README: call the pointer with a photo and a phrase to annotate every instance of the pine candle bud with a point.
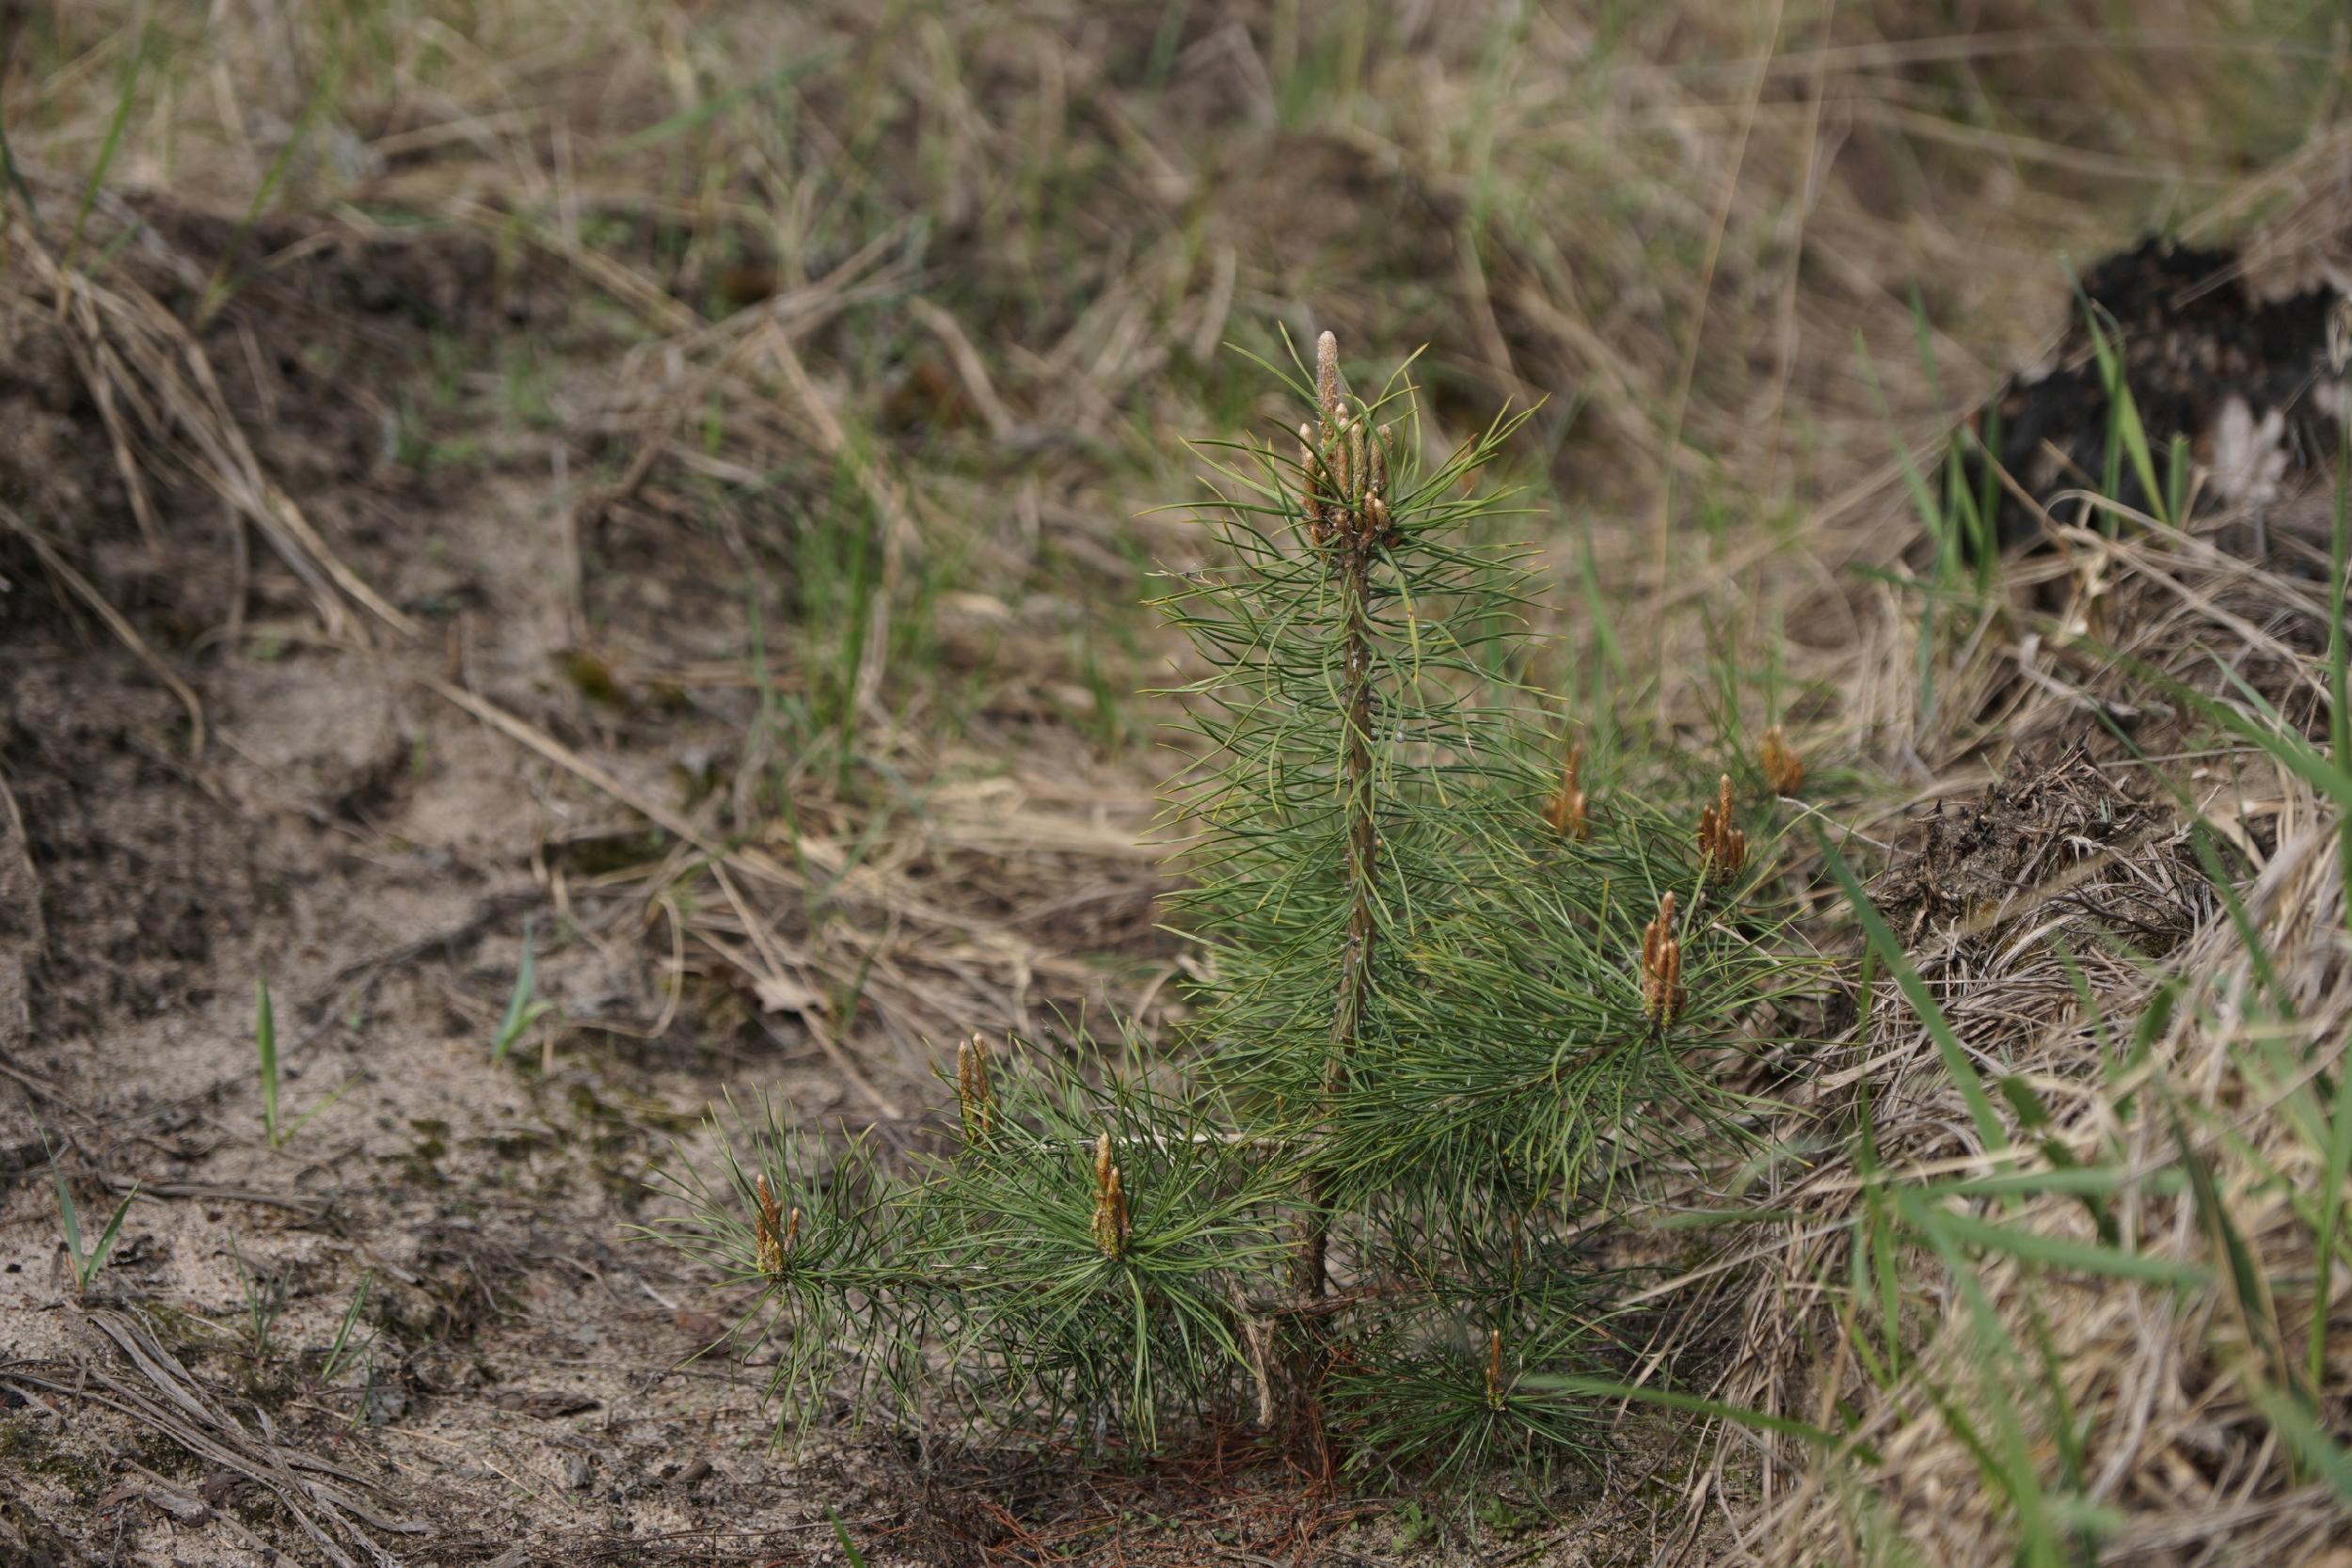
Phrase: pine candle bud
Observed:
(771, 1240)
(1723, 847)
(1661, 966)
(1111, 1226)
(975, 1095)
(1494, 1369)
(1330, 391)
(1312, 501)
(1343, 464)
(1378, 525)
(1783, 769)
(1566, 810)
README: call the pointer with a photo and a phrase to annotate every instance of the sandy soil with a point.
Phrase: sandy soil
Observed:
(521, 1382)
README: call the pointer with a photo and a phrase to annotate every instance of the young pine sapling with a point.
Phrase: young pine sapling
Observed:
(1453, 993)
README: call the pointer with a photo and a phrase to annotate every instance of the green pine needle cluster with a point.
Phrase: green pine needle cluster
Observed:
(1461, 992)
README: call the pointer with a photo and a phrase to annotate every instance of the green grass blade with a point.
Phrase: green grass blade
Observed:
(522, 1007)
(108, 148)
(2124, 412)
(72, 1220)
(841, 1533)
(304, 1119)
(265, 1047)
(2337, 1172)
(2012, 1471)
(1914, 990)
(215, 287)
(2340, 656)
(2319, 1451)
(106, 1237)
(2055, 1252)
(342, 1333)
(2248, 935)
(15, 178)
(2249, 1288)
(2282, 745)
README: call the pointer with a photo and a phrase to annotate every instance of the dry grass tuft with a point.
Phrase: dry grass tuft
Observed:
(2170, 1039)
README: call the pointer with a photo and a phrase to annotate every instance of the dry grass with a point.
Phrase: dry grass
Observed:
(2069, 934)
(865, 342)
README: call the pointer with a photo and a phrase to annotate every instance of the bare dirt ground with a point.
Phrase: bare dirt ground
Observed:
(528, 1389)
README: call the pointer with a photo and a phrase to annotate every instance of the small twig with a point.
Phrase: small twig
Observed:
(118, 1182)
(527, 733)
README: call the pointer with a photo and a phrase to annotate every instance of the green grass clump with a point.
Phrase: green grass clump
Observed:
(1453, 994)
(525, 1007)
(85, 1261)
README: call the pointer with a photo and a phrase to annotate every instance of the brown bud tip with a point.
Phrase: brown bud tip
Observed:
(1783, 770)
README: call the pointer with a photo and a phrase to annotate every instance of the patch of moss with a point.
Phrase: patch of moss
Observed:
(266, 1384)
(519, 1144)
(422, 1163)
(29, 1447)
(166, 1458)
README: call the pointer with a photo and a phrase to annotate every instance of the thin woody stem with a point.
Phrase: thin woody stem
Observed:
(1355, 550)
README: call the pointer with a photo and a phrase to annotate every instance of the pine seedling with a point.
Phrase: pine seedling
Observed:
(1440, 1028)
(1419, 927)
